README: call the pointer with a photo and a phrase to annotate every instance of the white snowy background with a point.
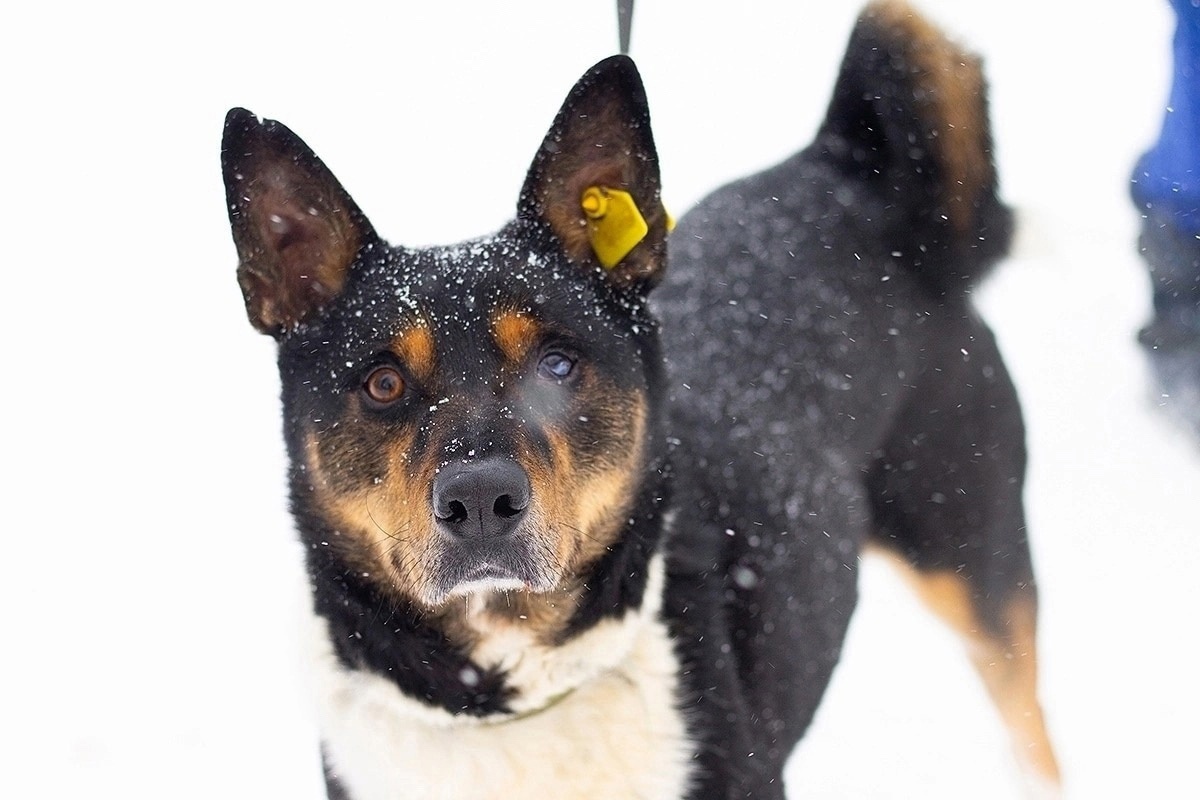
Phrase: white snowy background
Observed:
(148, 579)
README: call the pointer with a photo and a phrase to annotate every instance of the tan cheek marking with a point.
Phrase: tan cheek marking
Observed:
(516, 334)
(553, 487)
(386, 530)
(602, 509)
(607, 496)
(587, 505)
(415, 347)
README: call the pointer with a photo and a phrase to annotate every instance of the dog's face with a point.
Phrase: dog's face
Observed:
(471, 418)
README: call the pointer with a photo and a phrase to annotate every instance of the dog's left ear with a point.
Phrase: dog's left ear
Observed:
(595, 180)
(297, 231)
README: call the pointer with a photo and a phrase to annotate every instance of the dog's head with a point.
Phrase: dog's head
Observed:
(470, 418)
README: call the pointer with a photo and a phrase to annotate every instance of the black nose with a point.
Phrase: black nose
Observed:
(481, 498)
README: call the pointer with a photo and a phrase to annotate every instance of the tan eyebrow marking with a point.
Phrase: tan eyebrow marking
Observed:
(516, 333)
(415, 346)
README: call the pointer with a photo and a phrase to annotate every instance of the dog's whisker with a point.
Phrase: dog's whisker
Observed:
(393, 535)
(583, 533)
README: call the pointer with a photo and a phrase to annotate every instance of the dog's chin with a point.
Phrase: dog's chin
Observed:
(468, 571)
(487, 585)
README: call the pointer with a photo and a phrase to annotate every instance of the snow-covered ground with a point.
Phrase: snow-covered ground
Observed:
(149, 576)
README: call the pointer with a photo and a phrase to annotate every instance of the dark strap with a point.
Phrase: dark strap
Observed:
(624, 23)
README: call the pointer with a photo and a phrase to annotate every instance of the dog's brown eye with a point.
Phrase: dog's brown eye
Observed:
(384, 386)
(555, 366)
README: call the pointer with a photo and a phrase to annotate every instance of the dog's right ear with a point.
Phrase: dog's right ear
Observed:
(297, 231)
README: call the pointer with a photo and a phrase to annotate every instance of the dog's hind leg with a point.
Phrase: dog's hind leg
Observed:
(946, 494)
(1003, 650)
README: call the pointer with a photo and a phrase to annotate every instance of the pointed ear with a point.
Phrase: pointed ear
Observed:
(297, 231)
(601, 141)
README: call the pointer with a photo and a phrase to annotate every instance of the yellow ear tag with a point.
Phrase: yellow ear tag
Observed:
(614, 223)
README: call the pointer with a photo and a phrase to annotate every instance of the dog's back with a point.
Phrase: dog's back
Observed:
(831, 386)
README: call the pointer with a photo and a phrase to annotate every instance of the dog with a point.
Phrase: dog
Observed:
(582, 520)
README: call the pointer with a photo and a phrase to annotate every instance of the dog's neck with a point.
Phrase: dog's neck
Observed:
(608, 696)
(540, 673)
(534, 674)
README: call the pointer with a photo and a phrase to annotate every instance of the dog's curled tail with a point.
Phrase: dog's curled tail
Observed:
(909, 115)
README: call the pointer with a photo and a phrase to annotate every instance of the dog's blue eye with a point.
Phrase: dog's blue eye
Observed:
(555, 366)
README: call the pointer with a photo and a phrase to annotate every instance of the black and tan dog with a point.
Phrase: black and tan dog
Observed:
(569, 538)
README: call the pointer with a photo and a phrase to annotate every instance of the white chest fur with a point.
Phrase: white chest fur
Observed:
(597, 718)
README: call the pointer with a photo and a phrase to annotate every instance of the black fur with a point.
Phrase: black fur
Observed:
(830, 384)
(388, 636)
(330, 339)
(827, 383)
